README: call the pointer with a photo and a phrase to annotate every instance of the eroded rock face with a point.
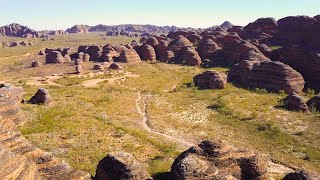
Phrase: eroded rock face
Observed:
(54, 57)
(262, 25)
(190, 57)
(78, 29)
(129, 56)
(210, 80)
(120, 165)
(177, 45)
(167, 57)
(217, 160)
(95, 53)
(269, 75)
(17, 30)
(305, 61)
(41, 97)
(295, 102)
(301, 30)
(148, 53)
(18, 158)
(236, 50)
(314, 103)
(207, 48)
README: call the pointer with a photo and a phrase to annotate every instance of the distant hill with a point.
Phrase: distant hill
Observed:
(17, 30)
(226, 25)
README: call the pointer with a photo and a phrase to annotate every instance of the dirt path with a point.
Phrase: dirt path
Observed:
(183, 144)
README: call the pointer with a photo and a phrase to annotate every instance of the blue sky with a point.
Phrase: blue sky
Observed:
(61, 14)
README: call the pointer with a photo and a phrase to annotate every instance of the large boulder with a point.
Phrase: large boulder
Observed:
(68, 51)
(167, 57)
(148, 53)
(300, 175)
(236, 50)
(95, 53)
(217, 160)
(207, 48)
(301, 30)
(269, 75)
(128, 56)
(210, 80)
(152, 41)
(54, 57)
(120, 165)
(177, 45)
(41, 97)
(314, 103)
(262, 25)
(303, 60)
(295, 102)
(79, 69)
(115, 66)
(190, 57)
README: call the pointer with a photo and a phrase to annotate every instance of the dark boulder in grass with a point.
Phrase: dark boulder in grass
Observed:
(41, 97)
(210, 80)
(120, 165)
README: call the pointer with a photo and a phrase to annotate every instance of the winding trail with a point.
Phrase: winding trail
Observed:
(182, 144)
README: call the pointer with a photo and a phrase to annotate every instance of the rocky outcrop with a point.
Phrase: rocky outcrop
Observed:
(148, 53)
(98, 67)
(190, 57)
(41, 97)
(262, 25)
(269, 75)
(217, 160)
(95, 52)
(299, 30)
(305, 61)
(178, 44)
(210, 80)
(167, 57)
(17, 30)
(236, 50)
(226, 25)
(207, 48)
(18, 158)
(120, 165)
(300, 175)
(314, 103)
(78, 29)
(54, 57)
(295, 102)
(128, 56)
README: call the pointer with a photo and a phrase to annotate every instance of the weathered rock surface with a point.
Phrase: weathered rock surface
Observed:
(167, 57)
(207, 48)
(129, 56)
(95, 52)
(305, 61)
(190, 57)
(262, 25)
(217, 160)
(17, 30)
(210, 80)
(148, 53)
(54, 57)
(78, 29)
(41, 97)
(120, 165)
(269, 75)
(295, 102)
(18, 158)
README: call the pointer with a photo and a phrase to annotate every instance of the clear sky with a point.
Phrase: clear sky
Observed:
(61, 14)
